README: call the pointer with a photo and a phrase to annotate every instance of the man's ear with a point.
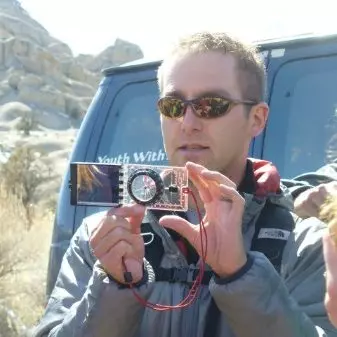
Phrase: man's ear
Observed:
(258, 118)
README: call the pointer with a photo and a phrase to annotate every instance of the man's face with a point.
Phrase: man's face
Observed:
(220, 143)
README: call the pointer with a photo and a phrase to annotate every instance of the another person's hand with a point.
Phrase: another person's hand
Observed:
(224, 208)
(119, 236)
(330, 256)
(328, 214)
(308, 203)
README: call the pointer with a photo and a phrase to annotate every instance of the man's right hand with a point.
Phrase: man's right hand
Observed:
(118, 236)
(309, 203)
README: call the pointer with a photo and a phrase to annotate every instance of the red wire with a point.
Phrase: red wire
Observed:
(192, 294)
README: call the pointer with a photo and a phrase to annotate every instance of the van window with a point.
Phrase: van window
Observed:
(301, 135)
(132, 132)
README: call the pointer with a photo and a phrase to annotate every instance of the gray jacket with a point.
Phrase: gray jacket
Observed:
(301, 183)
(260, 303)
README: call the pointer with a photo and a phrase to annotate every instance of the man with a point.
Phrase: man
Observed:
(212, 88)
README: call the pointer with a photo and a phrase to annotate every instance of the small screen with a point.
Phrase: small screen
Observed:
(98, 184)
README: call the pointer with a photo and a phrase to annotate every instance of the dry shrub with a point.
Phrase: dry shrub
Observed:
(23, 259)
(22, 174)
(26, 124)
(12, 228)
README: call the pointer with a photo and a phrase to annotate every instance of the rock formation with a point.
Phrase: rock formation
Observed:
(44, 87)
(41, 73)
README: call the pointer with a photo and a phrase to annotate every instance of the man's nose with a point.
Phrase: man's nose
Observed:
(190, 122)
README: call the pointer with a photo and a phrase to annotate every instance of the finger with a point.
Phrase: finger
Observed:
(106, 225)
(312, 208)
(123, 211)
(112, 261)
(217, 177)
(315, 203)
(182, 227)
(230, 194)
(213, 180)
(195, 167)
(197, 180)
(136, 220)
(320, 195)
(309, 202)
(129, 216)
(201, 186)
(111, 239)
(215, 191)
(195, 170)
(133, 210)
(304, 207)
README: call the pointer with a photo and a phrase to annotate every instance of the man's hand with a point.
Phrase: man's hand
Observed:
(308, 203)
(118, 236)
(223, 221)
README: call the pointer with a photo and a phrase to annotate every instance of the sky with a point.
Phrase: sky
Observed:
(89, 26)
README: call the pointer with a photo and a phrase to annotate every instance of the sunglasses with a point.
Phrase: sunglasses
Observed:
(204, 107)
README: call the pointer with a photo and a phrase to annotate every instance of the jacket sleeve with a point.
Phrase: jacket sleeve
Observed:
(301, 183)
(262, 302)
(85, 301)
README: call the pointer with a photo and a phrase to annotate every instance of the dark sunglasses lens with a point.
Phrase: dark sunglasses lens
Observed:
(212, 107)
(171, 107)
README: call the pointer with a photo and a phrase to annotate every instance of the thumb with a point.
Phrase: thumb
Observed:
(181, 226)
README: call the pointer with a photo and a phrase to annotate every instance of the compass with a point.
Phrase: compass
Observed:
(145, 186)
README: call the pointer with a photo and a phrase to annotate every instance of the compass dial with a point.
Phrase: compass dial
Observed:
(145, 186)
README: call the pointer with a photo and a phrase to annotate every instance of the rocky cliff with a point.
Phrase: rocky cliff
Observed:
(42, 74)
(44, 84)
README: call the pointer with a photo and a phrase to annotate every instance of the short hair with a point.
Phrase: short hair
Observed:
(252, 73)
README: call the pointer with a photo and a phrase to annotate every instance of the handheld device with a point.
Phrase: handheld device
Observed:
(156, 187)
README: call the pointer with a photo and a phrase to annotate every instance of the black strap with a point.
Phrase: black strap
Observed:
(272, 228)
(154, 251)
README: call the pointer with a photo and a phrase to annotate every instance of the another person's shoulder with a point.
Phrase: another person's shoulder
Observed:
(305, 247)
(329, 170)
(309, 230)
(302, 258)
(306, 233)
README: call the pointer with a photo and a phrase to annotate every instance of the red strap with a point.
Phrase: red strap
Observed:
(182, 247)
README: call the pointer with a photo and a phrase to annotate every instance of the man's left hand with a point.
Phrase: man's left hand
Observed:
(224, 208)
